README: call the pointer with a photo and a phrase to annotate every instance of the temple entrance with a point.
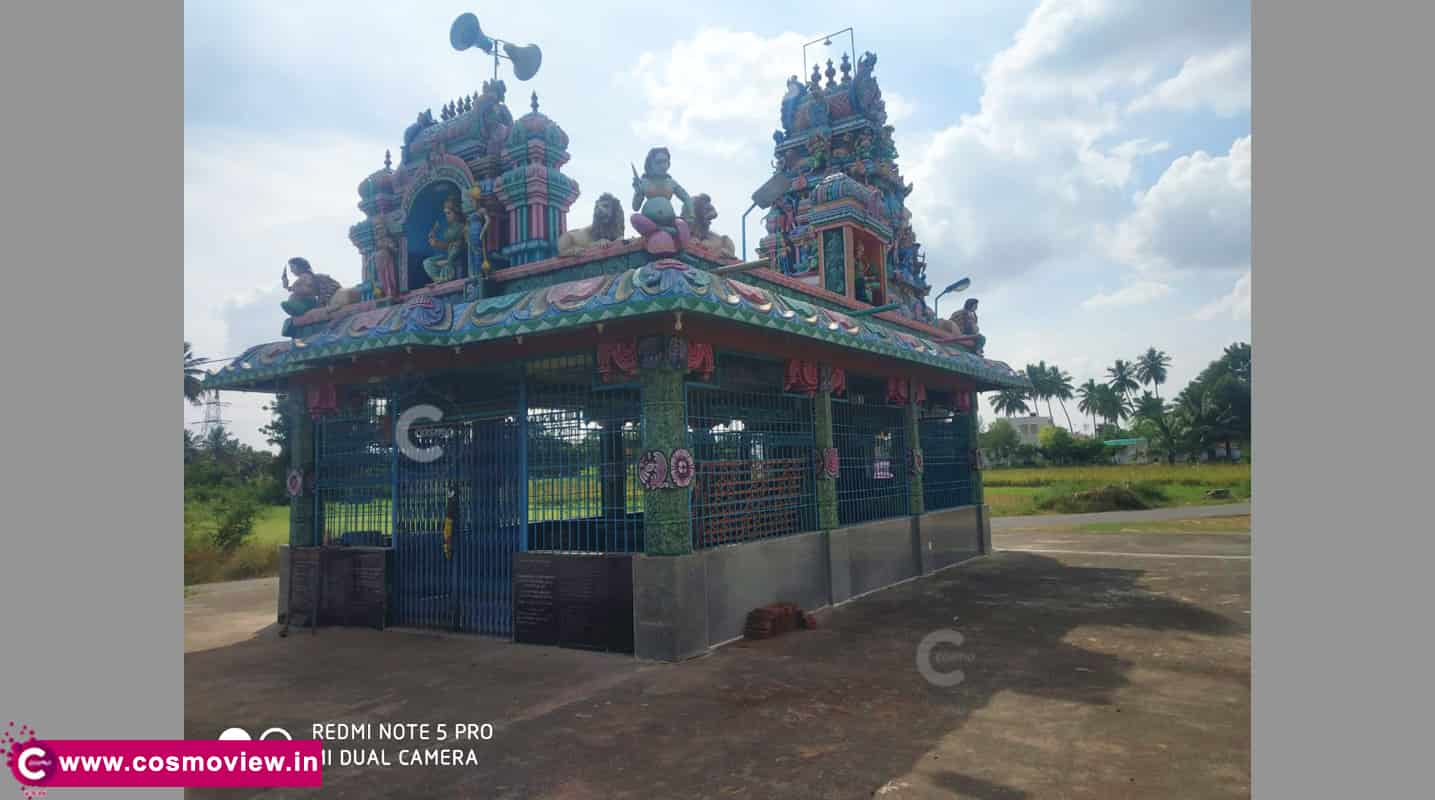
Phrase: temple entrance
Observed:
(457, 527)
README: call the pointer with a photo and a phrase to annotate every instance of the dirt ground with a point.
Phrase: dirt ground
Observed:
(1092, 666)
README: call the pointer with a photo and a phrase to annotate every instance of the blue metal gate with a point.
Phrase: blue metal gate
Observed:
(473, 490)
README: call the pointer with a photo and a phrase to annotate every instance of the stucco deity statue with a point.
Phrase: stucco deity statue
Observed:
(451, 240)
(869, 283)
(963, 322)
(703, 216)
(607, 227)
(309, 290)
(664, 229)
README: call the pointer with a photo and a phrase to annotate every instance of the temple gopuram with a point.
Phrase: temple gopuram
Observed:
(622, 436)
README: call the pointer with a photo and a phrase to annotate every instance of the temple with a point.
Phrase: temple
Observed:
(622, 435)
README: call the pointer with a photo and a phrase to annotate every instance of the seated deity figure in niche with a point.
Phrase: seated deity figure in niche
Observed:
(869, 284)
(451, 242)
(653, 191)
(309, 291)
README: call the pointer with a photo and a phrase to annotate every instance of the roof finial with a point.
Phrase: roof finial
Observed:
(388, 160)
(534, 103)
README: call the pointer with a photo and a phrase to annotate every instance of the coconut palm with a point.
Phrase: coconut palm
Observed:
(193, 376)
(1151, 368)
(1009, 402)
(1167, 425)
(1120, 377)
(1040, 386)
(1090, 394)
(1112, 405)
(1058, 383)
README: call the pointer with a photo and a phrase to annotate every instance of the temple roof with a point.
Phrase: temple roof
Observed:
(661, 286)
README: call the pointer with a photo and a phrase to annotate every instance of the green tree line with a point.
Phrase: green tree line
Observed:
(1213, 410)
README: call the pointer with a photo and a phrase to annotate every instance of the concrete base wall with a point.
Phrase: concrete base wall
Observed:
(684, 605)
(872, 556)
(743, 577)
(949, 536)
(670, 619)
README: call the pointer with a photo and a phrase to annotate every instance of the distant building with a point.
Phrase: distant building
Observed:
(1029, 428)
(1130, 451)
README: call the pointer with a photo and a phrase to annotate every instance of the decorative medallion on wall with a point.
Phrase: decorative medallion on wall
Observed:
(295, 482)
(681, 468)
(653, 470)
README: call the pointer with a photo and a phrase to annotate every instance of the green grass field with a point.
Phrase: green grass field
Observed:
(1009, 492)
(1025, 490)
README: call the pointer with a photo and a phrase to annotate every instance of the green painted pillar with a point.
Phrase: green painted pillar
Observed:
(974, 444)
(302, 530)
(667, 530)
(916, 501)
(826, 487)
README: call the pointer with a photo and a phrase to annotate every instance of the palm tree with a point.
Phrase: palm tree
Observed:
(1008, 402)
(1090, 394)
(1237, 360)
(1120, 378)
(1151, 368)
(1167, 425)
(1058, 382)
(1040, 386)
(1112, 405)
(193, 376)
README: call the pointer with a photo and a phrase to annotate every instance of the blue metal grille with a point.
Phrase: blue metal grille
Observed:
(871, 441)
(946, 453)
(463, 474)
(353, 478)
(583, 446)
(472, 489)
(754, 451)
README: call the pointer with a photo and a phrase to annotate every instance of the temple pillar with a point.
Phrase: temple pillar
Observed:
(666, 517)
(826, 487)
(974, 442)
(916, 501)
(302, 525)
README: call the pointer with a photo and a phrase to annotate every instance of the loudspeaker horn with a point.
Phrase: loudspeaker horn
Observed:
(526, 59)
(465, 33)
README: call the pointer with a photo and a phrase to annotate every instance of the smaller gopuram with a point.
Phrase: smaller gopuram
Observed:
(620, 435)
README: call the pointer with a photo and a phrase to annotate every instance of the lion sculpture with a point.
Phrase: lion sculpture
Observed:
(703, 216)
(607, 227)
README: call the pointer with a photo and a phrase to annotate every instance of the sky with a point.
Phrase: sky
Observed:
(1087, 163)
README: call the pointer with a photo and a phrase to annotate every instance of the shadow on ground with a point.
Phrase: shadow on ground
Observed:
(1055, 651)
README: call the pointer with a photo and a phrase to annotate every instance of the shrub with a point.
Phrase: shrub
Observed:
(1130, 496)
(234, 520)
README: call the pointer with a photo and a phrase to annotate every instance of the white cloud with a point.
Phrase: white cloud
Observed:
(1041, 166)
(1219, 81)
(1136, 294)
(717, 93)
(1196, 216)
(1236, 305)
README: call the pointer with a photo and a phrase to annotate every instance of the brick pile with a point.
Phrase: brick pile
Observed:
(777, 619)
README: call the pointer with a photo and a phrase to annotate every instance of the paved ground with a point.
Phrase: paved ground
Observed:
(1151, 515)
(1095, 665)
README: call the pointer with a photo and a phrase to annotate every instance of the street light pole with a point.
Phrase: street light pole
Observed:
(959, 286)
